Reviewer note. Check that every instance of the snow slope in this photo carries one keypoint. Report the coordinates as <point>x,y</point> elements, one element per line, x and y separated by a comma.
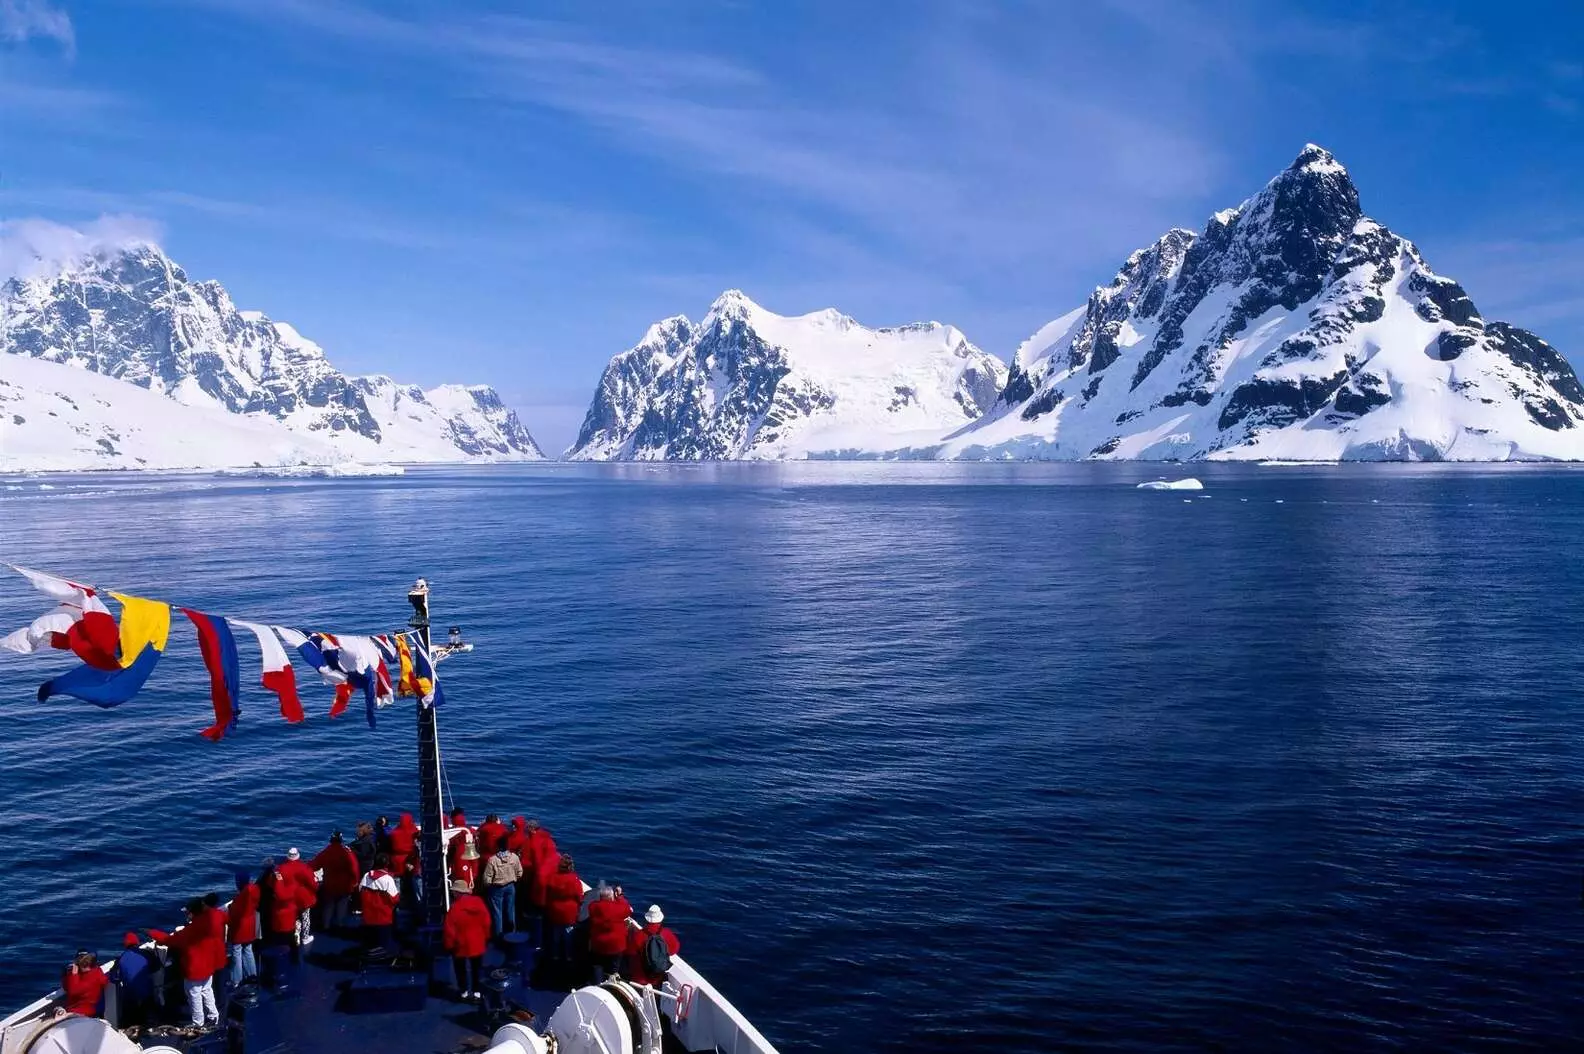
<point>56,417</point>
<point>1294,327</point>
<point>746,383</point>
<point>131,313</point>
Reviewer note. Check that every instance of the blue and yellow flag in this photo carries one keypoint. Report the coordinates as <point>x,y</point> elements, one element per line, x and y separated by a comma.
<point>145,628</point>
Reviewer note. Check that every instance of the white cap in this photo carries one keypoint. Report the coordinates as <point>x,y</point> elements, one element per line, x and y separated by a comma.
<point>654,914</point>
<point>293,854</point>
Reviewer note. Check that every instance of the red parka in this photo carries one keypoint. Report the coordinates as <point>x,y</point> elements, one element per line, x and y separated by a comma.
<point>194,945</point>
<point>467,926</point>
<point>490,837</point>
<point>467,871</point>
<point>403,844</point>
<point>341,872</point>
<point>215,920</point>
<point>242,916</point>
<point>608,926</point>
<point>540,862</point>
<point>378,896</point>
<point>287,901</point>
<point>517,840</point>
<point>454,842</point>
<point>84,989</point>
<point>563,898</point>
<point>635,944</point>
<point>301,875</point>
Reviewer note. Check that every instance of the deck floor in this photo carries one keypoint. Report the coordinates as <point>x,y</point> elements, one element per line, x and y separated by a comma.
<point>314,1015</point>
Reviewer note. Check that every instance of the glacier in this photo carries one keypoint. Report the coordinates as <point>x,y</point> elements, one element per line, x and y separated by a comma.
<point>63,418</point>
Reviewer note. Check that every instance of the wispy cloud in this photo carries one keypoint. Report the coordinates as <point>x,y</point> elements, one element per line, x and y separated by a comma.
<point>39,99</point>
<point>948,162</point>
<point>31,247</point>
<point>25,20</point>
<point>534,229</point>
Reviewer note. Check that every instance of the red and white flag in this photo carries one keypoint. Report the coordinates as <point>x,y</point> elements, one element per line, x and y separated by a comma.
<point>278,676</point>
<point>80,622</point>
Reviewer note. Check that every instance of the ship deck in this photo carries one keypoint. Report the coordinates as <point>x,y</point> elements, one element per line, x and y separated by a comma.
<point>318,1012</point>
<point>325,1007</point>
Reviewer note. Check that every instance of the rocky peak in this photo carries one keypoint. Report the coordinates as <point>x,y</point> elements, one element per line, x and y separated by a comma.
<point>668,331</point>
<point>732,305</point>
<point>1293,323</point>
<point>749,383</point>
<point>1302,217</point>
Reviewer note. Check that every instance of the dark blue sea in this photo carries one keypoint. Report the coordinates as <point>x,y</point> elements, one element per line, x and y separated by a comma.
<point>915,757</point>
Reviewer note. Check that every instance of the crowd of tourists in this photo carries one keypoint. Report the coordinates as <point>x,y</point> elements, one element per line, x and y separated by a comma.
<point>503,879</point>
<point>513,879</point>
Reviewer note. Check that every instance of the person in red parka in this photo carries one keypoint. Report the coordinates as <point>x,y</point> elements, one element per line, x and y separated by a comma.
<point>467,934</point>
<point>84,984</point>
<point>194,944</point>
<point>517,838</point>
<point>295,871</point>
<point>609,919</point>
<point>638,954</point>
<point>341,873</point>
<point>283,903</point>
<point>517,842</point>
<point>458,836</point>
<point>378,894</point>
<point>563,899</point>
<point>403,853</point>
<point>539,863</point>
<point>280,906</point>
<point>491,834</point>
<point>214,920</point>
<point>242,929</point>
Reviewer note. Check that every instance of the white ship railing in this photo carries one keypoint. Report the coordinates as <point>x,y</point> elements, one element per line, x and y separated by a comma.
<point>18,1029</point>
<point>703,1019</point>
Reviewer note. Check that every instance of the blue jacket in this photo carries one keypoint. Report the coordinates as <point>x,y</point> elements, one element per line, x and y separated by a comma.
<point>133,974</point>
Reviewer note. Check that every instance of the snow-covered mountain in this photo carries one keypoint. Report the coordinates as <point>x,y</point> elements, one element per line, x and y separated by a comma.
<point>1293,327</point>
<point>746,383</point>
<point>57,417</point>
<point>133,314</point>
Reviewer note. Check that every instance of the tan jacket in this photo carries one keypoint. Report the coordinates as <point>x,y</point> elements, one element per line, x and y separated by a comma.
<point>502,869</point>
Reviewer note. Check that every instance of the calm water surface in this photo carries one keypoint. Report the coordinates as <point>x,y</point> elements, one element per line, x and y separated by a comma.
<point>904,751</point>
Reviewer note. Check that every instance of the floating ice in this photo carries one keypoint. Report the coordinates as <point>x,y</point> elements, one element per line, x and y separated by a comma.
<point>1171,484</point>
<point>337,470</point>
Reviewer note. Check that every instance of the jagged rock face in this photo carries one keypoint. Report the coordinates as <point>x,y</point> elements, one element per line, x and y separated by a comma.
<point>134,315</point>
<point>1293,326</point>
<point>747,383</point>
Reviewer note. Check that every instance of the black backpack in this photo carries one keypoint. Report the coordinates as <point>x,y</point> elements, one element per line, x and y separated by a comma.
<point>656,956</point>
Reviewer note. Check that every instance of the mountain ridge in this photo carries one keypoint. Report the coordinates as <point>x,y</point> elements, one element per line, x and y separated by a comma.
<point>1292,326</point>
<point>747,383</point>
<point>133,314</point>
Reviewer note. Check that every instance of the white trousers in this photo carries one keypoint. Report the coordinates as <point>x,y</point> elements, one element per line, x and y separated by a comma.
<point>201,1002</point>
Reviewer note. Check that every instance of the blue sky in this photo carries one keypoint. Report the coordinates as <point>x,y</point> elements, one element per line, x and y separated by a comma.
<point>511,192</point>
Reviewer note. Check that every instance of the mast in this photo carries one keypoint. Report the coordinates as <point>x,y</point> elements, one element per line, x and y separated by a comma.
<point>431,809</point>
